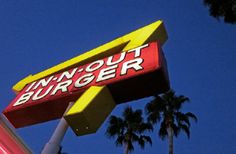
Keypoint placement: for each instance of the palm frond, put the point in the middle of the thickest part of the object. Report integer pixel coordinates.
(154, 108)
(137, 115)
(163, 131)
(181, 117)
(116, 126)
(146, 139)
(175, 129)
(157, 104)
(185, 128)
(130, 145)
(119, 140)
(141, 142)
(145, 127)
(191, 115)
(154, 117)
(128, 111)
(134, 137)
(168, 96)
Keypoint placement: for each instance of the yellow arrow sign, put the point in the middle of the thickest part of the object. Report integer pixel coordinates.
(152, 32)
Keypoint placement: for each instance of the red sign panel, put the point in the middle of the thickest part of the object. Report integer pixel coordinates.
(123, 73)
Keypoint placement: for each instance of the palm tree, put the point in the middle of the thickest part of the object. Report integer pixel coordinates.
(128, 129)
(165, 109)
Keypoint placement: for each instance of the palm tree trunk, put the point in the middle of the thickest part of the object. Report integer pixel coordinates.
(126, 149)
(170, 140)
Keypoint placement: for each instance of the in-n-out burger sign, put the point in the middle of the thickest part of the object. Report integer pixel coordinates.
(129, 75)
(100, 72)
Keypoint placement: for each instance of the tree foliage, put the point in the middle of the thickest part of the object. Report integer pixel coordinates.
(225, 9)
(165, 109)
(129, 129)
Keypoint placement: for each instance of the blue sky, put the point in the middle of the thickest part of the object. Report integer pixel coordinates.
(200, 51)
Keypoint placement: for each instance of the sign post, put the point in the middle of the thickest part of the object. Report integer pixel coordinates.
(54, 144)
